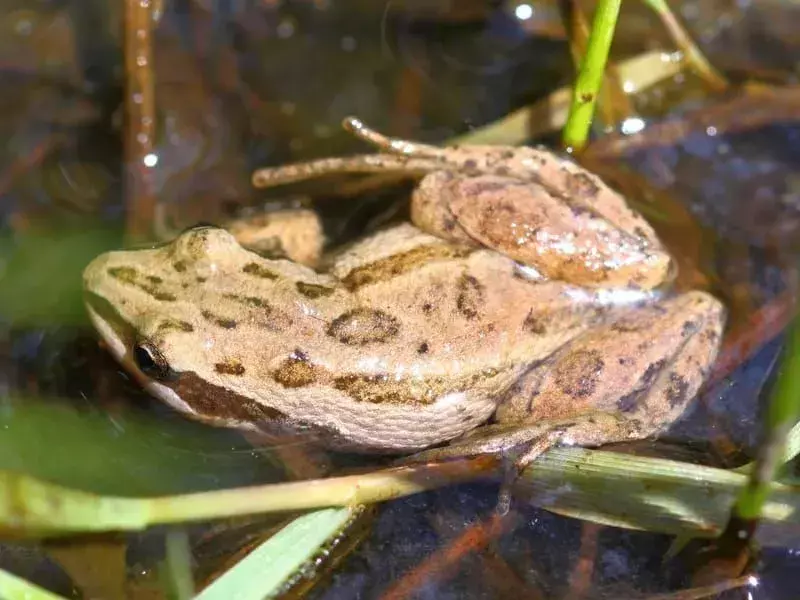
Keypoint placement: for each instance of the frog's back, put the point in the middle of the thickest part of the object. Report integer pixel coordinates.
(405, 343)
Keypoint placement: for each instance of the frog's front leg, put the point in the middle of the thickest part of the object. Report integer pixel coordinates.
(624, 381)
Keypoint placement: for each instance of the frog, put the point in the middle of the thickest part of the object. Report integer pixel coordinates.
(525, 305)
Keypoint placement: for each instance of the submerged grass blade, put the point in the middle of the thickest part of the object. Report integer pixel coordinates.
(267, 571)
(782, 415)
(14, 588)
(648, 493)
(176, 570)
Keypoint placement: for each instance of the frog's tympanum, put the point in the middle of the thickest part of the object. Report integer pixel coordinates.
(525, 294)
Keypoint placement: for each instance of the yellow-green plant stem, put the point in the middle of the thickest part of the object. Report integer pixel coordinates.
(600, 486)
(590, 75)
(783, 412)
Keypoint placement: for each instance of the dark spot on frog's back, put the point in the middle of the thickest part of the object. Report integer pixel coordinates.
(296, 371)
(581, 185)
(650, 374)
(269, 317)
(480, 186)
(258, 270)
(470, 297)
(577, 373)
(229, 367)
(628, 324)
(689, 328)
(677, 390)
(253, 301)
(375, 389)
(219, 321)
(313, 290)
(535, 323)
(396, 265)
(362, 326)
(179, 266)
(175, 325)
(148, 284)
(163, 296)
(124, 274)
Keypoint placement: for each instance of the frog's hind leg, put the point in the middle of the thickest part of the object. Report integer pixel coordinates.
(361, 163)
(624, 381)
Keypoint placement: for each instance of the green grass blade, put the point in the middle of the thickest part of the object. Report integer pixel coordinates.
(16, 588)
(782, 415)
(268, 569)
(176, 570)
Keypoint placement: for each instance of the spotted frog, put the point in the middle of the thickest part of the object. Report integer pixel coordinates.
(525, 305)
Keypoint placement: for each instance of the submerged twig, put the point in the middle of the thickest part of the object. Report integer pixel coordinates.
(140, 160)
(473, 539)
(693, 56)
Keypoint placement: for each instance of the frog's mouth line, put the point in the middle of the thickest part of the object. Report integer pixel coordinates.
(115, 331)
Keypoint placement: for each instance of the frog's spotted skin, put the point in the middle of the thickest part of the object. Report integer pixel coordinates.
(411, 339)
(350, 353)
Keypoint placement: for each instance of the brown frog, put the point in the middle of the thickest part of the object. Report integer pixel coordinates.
(526, 292)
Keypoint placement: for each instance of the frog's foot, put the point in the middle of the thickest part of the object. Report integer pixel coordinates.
(523, 443)
(292, 233)
(361, 163)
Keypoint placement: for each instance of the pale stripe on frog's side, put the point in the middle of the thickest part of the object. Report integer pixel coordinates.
(409, 340)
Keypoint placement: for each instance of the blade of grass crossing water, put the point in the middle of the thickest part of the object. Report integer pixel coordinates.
(16, 588)
(268, 569)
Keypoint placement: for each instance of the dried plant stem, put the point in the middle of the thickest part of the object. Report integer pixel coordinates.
(139, 119)
(590, 75)
(692, 54)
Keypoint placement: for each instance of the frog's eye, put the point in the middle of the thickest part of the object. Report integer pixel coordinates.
(151, 362)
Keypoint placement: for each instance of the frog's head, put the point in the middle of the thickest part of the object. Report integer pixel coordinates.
(168, 315)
